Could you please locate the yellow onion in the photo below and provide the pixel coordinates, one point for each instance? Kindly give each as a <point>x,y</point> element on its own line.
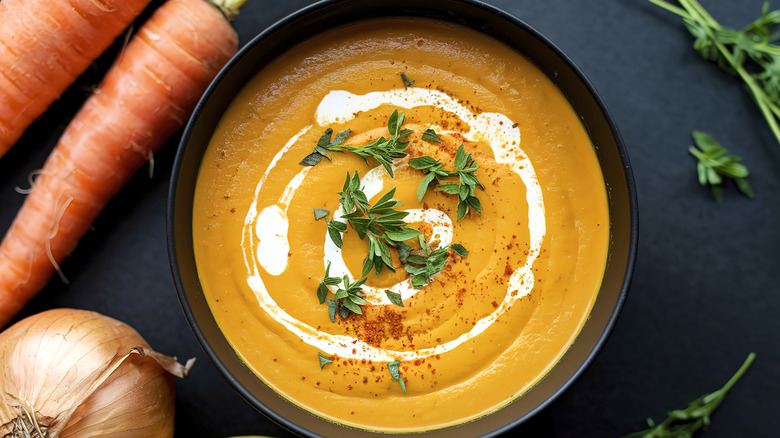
<point>75,373</point>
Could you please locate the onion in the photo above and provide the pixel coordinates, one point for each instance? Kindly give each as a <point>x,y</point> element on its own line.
<point>74,373</point>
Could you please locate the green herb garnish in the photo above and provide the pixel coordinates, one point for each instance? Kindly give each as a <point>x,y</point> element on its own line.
<point>322,289</point>
<point>423,264</point>
<point>320,213</point>
<point>407,82</point>
<point>323,146</point>
<point>683,423</point>
<point>382,150</point>
<point>394,372</point>
<point>430,135</point>
<point>324,360</point>
<point>332,305</point>
<point>465,169</point>
<point>347,299</point>
<point>350,296</point>
<point>335,228</point>
<point>751,53</point>
<point>434,169</point>
<point>381,223</point>
<point>459,250</point>
<point>715,164</point>
<point>394,297</point>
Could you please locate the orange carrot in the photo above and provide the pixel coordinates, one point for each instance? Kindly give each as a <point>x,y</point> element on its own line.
<point>146,96</point>
<point>44,46</point>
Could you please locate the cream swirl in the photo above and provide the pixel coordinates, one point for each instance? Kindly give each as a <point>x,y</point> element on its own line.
<point>266,227</point>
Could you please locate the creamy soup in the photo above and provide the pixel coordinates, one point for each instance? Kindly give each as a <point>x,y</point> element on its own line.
<point>483,283</point>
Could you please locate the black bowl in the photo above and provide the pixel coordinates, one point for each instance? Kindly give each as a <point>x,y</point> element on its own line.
<point>483,18</point>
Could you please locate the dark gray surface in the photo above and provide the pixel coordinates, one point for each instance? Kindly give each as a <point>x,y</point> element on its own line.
<point>704,294</point>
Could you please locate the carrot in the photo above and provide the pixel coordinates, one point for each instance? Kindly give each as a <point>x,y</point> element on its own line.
<point>44,46</point>
<point>146,96</point>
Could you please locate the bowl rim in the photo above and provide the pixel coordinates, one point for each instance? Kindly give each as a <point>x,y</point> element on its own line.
<point>492,10</point>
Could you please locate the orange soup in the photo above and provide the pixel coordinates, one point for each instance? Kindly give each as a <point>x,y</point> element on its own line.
<point>400,225</point>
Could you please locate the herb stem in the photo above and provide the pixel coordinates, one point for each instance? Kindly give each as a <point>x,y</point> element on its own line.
<point>694,7</point>
<point>671,8</point>
<point>758,93</point>
<point>693,10</point>
<point>745,365</point>
<point>686,422</point>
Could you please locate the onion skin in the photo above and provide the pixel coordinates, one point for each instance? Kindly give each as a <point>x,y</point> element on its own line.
<point>81,374</point>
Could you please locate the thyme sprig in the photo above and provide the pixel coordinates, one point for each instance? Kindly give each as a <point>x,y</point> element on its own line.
<point>715,165</point>
<point>347,298</point>
<point>351,296</point>
<point>322,289</point>
<point>752,53</point>
<point>465,168</point>
<point>324,145</point>
<point>683,423</point>
<point>423,264</point>
<point>381,223</point>
<point>382,150</point>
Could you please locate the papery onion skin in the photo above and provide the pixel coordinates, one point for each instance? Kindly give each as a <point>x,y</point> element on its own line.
<point>82,375</point>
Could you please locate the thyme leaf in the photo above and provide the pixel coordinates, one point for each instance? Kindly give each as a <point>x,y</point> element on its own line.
<point>393,367</point>
<point>459,250</point>
<point>335,228</point>
<point>394,297</point>
<point>715,165</point>
<point>324,360</point>
<point>320,213</point>
<point>322,289</point>
<point>407,82</point>
<point>430,136</point>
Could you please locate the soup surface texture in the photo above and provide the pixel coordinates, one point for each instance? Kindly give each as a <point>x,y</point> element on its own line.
<point>478,309</point>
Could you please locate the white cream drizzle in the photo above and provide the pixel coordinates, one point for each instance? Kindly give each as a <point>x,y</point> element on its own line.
<point>270,224</point>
